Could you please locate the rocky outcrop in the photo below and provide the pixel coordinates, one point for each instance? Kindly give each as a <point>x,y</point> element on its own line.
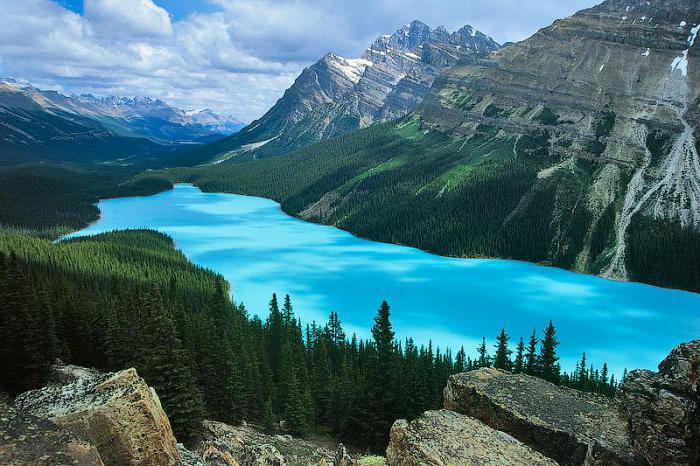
<point>116,412</point>
<point>563,424</point>
<point>28,440</point>
<point>226,445</point>
<point>663,408</point>
<point>447,438</point>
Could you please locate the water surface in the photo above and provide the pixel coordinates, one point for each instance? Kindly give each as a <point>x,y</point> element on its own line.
<point>454,302</point>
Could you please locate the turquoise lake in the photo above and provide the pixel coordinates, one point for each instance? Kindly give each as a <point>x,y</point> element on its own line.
<point>452,302</point>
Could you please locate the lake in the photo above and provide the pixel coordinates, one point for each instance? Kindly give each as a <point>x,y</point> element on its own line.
<point>454,302</point>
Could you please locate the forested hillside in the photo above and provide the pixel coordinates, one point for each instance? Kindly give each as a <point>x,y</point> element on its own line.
<point>53,200</point>
<point>129,299</point>
<point>482,195</point>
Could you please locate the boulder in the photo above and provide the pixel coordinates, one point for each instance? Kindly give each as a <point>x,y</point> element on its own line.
<point>566,425</point>
<point>226,445</point>
<point>28,440</point>
<point>663,408</point>
<point>448,438</point>
<point>116,412</point>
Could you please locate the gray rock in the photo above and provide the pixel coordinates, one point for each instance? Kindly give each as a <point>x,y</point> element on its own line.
<point>29,440</point>
<point>663,408</point>
<point>563,424</point>
<point>116,412</point>
<point>448,438</point>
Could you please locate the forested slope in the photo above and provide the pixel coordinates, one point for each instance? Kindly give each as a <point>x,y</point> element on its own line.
<point>129,299</point>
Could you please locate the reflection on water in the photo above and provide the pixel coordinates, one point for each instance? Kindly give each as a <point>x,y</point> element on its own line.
<point>261,250</point>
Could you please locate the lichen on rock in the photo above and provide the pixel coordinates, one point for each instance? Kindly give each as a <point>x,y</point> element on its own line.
<point>566,425</point>
<point>448,438</point>
<point>116,412</point>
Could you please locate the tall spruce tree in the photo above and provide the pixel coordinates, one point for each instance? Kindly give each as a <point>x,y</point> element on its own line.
<point>501,359</point>
<point>484,360</point>
<point>519,363</point>
<point>167,369</point>
<point>548,359</point>
<point>531,362</point>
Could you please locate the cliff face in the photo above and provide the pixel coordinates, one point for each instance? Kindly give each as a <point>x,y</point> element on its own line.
<point>611,93</point>
<point>337,95</point>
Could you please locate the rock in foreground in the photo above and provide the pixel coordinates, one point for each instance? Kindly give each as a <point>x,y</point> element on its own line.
<point>663,408</point>
<point>117,413</point>
<point>26,440</point>
<point>226,445</point>
<point>448,438</point>
<point>563,424</point>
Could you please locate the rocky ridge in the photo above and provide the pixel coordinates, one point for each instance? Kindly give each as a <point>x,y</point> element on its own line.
<point>337,95</point>
<point>490,417</point>
<point>654,421</point>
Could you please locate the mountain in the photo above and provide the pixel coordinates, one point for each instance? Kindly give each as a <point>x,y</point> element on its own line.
<point>47,125</point>
<point>155,119</point>
<point>337,95</point>
<point>576,147</point>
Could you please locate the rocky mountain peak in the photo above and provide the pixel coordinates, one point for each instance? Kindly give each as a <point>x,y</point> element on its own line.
<point>337,95</point>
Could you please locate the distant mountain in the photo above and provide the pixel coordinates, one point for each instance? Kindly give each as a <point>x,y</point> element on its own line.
<point>154,118</point>
<point>337,95</point>
<point>47,125</point>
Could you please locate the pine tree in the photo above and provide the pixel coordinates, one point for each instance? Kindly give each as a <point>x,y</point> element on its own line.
<point>460,361</point>
<point>549,365</point>
<point>531,362</point>
<point>484,359</point>
<point>519,364</point>
<point>380,392</point>
<point>502,358</point>
<point>287,310</point>
<point>167,370</point>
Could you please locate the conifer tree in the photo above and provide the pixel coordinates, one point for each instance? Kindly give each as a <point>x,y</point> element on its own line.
<point>549,365</point>
<point>460,361</point>
<point>484,360</point>
<point>531,362</point>
<point>519,363</point>
<point>502,357</point>
<point>167,369</point>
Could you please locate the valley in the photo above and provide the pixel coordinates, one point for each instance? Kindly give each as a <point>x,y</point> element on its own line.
<point>435,245</point>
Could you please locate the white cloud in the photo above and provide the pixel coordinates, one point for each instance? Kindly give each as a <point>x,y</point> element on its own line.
<point>127,19</point>
<point>238,59</point>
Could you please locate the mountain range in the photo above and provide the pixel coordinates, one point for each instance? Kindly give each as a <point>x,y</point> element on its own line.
<point>47,125</point>
<point>337,95</point>
<point>576,147</point>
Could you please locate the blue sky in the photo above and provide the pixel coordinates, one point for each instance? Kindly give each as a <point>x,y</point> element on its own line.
<point>178,9</point>
<point>234,56</point>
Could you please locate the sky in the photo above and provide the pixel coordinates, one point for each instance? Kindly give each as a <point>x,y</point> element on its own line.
<point>234,56</point>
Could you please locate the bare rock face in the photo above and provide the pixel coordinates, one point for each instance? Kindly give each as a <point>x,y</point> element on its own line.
<point>563,424</point>
<point>226,445</point>
<point>25,439</point>
<point>448,438</point>
<point>117,413</point>
<point>663,408</point>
